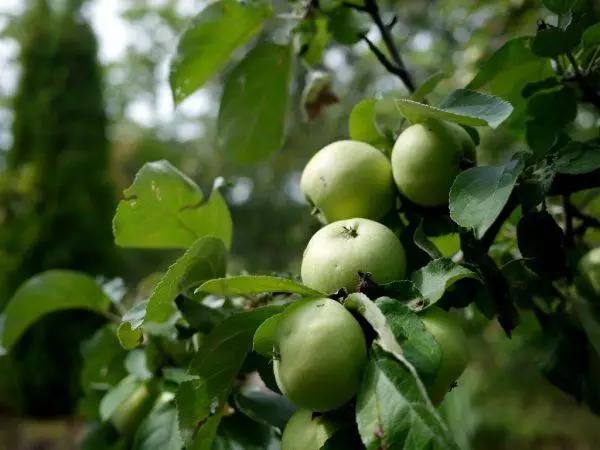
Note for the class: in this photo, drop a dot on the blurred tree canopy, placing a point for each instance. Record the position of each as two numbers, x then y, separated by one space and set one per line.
57 196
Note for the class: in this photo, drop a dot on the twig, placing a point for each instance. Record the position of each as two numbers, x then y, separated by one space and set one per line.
590 94
396 65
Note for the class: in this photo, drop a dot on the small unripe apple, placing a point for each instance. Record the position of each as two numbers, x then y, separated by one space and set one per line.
348 179
454 348
338 251
307 431
425 161
320 353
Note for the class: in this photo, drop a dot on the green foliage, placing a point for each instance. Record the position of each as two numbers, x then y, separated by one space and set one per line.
503 245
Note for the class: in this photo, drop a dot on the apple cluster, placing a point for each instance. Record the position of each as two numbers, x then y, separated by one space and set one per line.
320 348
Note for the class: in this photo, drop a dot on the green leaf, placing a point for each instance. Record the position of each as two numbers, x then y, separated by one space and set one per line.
51 291
558 6
103 360
370 311
461 106
210 40
391 411
200 402
163 208
159 430
437 276
419 345
479 194
591 37
263 341
264 406
130 331
508 71
255 284
313 37
238 432
251 122
201 317
117 396
137 365
428 86
362 124
578 157
346 25
423 242
206 259
590 320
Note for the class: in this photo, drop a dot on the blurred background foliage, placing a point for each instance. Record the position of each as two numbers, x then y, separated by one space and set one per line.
74 131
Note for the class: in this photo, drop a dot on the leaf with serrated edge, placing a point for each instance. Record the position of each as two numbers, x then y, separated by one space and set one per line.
208 254
200 402
163 208
212 36
255 284
479 194
437 276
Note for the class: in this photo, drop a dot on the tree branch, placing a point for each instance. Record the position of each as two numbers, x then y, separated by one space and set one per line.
396 65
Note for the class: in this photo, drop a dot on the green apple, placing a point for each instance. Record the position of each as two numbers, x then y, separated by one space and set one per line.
587 279
425 161
465 141
320 353
349 179
338 251
303 432
454 347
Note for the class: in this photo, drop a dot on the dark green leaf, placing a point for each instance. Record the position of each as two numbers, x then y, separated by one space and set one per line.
159 430
200 317
543 85
552 42
578 157
392 412
437 276
539 137
163 208
508 71
479 194
255 284
419 346
555 108
103 360
589 315
346 25
461 106
103 437
238 432
345 438
206 259
541 242
210 40
265 406
55 290
251 122
591 37
200 402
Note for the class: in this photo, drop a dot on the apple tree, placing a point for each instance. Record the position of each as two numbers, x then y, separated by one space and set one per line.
363 346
